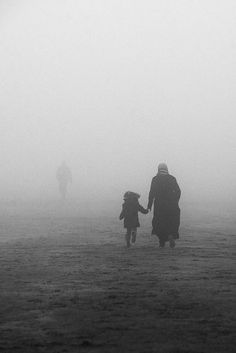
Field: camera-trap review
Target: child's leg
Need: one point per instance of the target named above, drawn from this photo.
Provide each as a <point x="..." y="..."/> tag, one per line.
<point x="134" y="233"/>
<point x="127" y="237"/>
<point x="161" y="242"/>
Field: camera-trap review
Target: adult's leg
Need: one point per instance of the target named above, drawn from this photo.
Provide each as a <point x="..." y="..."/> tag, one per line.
<point x="162" y="242"/>
<point x="63" y="189"/>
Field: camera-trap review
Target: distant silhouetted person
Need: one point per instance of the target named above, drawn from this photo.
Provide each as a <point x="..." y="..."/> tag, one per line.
<point x="64" y="178"/>
<point x="129" y="213"/>
<point x="165" y="193"/>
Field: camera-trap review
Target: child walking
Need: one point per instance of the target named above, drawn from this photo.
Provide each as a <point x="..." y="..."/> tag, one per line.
<point x="129" y="213"/>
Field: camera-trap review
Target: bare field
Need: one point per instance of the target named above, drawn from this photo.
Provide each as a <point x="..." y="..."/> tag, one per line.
<point x="68" y="284"/>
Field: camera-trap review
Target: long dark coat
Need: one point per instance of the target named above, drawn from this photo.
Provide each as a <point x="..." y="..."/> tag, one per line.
<point x="165" y="193"/>
<point x="129" y="213"/>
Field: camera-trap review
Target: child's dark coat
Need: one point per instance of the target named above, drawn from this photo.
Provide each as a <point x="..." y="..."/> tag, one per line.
<point x="129" y="213"/>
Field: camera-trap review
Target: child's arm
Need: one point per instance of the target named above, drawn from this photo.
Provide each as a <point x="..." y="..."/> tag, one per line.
<point x="142" y="209"/>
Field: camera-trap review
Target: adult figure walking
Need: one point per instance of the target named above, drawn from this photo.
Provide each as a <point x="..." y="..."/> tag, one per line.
<point x="165" y="193"/>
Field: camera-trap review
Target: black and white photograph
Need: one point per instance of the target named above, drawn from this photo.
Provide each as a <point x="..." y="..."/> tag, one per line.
<point x="118" y="176"/>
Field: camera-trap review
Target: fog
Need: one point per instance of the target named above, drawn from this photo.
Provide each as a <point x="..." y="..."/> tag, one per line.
<point x="114" y="88"/>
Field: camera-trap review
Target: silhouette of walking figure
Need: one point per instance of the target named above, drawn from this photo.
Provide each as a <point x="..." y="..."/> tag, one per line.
<point x="64" y="177"/>
<point x="129" y="213"/>
<point x="165" y="193"/>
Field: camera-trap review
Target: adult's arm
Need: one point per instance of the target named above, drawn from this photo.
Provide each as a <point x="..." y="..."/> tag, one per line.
<point x="176" y="190"/>
<point x="122" y="214"/>
<point x="151" y="194"/>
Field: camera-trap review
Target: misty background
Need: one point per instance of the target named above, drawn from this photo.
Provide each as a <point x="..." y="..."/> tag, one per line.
<point x="114" y="88"/>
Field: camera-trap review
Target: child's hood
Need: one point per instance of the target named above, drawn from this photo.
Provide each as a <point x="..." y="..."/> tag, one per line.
<point x="131" y="195"/>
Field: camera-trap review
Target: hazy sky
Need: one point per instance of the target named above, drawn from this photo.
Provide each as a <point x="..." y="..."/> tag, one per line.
<point x="114" y="87"/>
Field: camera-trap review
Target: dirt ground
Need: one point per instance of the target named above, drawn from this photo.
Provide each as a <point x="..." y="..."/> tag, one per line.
<point x="69" y="284"/>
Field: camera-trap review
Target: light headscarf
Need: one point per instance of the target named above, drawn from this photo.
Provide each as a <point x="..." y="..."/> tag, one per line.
<point x="162" y="168"/>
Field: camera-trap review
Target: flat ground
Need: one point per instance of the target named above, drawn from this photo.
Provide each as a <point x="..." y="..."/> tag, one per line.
<point x="68" y="284"/>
